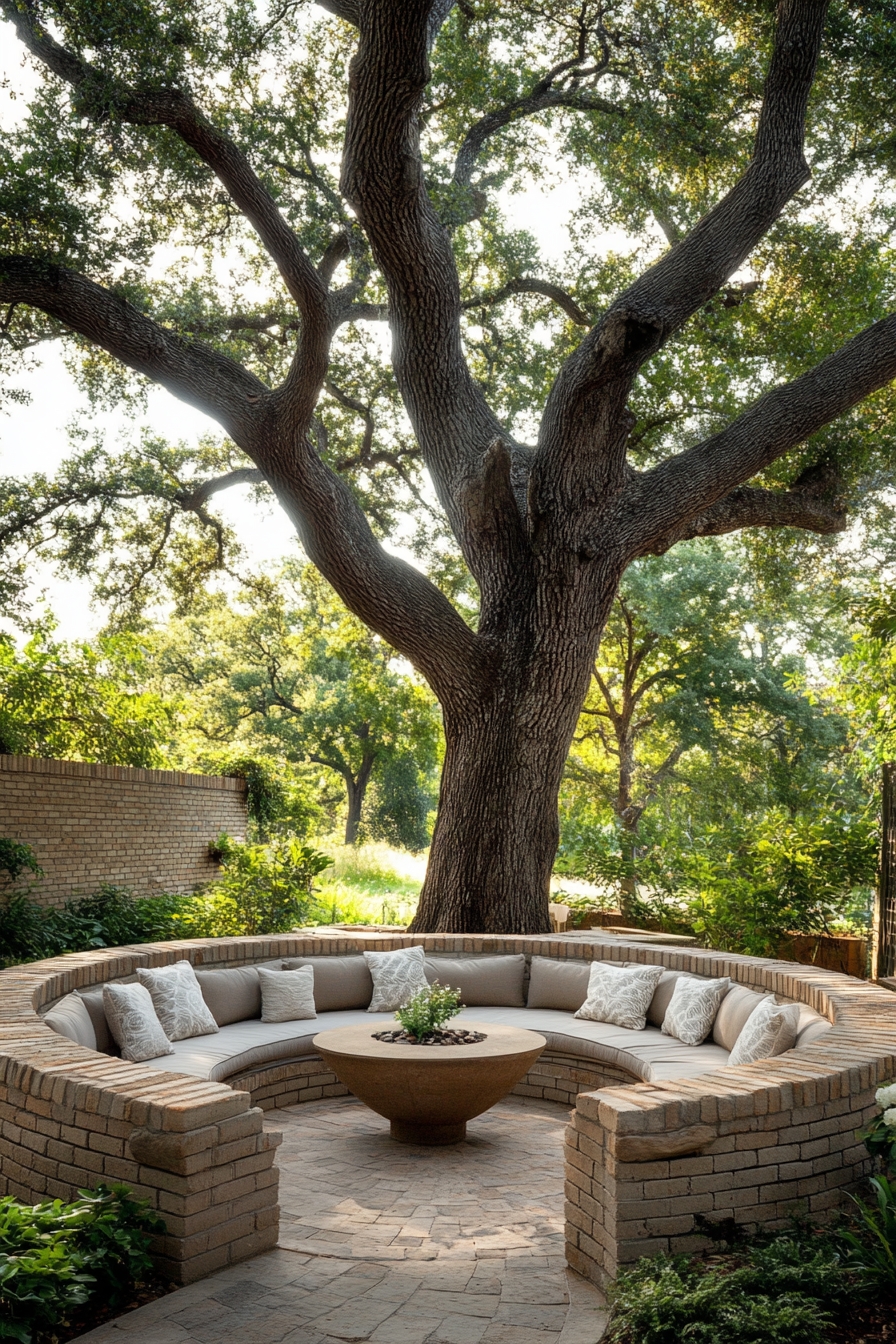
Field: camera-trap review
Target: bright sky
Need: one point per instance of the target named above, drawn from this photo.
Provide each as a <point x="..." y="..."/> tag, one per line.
<point x="33" y="437"/>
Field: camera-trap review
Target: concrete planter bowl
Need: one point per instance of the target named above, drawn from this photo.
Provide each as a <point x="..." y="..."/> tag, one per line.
<point x="428" y="1093"/>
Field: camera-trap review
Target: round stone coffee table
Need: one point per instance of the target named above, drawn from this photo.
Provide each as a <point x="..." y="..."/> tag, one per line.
<point x="429" y="1092"/>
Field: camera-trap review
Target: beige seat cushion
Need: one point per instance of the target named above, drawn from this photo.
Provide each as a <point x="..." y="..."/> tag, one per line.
<point x="662" y="997"/>
<point x="811" y="1027"/>
<point x="233" y="995"/>
<point x="93" y="1002"/>
<point x="646" y="1055"/>
<point x="558" y="984"/>
<point x="482" y="981"/>
<point x="734" y="1010"/>
<point x="246" y="1045"/>
<point x="70" y="1018"/>
<point x="339" y="982"/>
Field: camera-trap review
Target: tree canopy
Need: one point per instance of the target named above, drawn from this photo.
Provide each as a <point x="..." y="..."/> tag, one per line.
<point x="232" y="201"/>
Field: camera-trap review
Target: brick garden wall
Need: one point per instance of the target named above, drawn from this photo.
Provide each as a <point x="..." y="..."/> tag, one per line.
<point x="148" y="830"/>
<point x="753" y="1143"/>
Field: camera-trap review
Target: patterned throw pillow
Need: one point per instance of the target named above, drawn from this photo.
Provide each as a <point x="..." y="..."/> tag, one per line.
<point x="769" y="1030"/>
<point x="133" y="1022"/>
<point x="620" y="995"/>
<point x="178" y="1001"/>
<point x="397" y="977"/>
<point x="693" y="1007"/>
<point x="286" y="996"/>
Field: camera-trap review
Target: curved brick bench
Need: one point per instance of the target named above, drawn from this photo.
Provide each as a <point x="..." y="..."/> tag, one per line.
<point x="750" y="1143"/>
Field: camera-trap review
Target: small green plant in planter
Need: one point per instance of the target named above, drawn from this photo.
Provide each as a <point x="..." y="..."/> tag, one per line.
<point x="427" y="1011"/>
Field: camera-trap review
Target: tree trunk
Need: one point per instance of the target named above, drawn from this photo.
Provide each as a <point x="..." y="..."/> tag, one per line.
<point x="356" y="787"/>
<point x="497" y="826"/>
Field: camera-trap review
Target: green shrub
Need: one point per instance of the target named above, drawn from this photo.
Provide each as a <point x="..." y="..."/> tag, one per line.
<point x="265" y="888"/>
<point x="428" y="1010"/>
<point x="786" y="1291"/>
<point x="56" y="1257"/>
<point x="880" y="1136"/>
<point x="15" y="858"/>
<point x="740" y="885"/>
<point x="109" y="917"/>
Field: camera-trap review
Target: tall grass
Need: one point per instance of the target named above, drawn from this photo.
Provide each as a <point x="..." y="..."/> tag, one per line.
<point x="370" y="884"/>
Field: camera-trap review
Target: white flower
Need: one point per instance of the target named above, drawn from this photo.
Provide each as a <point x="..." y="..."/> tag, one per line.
<point x="890" y="1118"/>
<point x="886" y="1096"/>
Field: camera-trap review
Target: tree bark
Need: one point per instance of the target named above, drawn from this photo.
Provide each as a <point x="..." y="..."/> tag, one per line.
<point x="497" y="827"/>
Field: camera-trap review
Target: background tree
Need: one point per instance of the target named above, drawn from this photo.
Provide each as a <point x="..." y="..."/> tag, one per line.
<point x="80" y="701"/>
<point x="742" y="806"/>
<point x="570" y="423"/>
<point x="696" y="656"/>
<point x="290" y="673"/>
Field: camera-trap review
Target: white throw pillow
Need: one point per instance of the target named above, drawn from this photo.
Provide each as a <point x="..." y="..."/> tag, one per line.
<point x="133" y="1022"/>
<point x="287" y="996"/>
<point x="620" y="994"/>
<point x="693" y="1007"/>
<point x="397" y="977"/>
<point x="178" y="1001"/>
<point x="770" y="1029"/>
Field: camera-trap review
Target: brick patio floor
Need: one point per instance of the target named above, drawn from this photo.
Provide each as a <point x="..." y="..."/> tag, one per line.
<point x="397" y="1244"/>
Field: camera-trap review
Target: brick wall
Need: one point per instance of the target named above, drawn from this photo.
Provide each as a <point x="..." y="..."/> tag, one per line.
<point x="144" y="829"/>
<point x="754" y="1143"/>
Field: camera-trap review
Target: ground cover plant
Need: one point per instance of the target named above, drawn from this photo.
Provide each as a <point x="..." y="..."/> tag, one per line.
<point x="59" y="1262"/>
<point x="793" y="1288"/>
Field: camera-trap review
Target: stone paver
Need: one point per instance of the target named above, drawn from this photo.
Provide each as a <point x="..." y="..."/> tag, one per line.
<point x="397" y="1244"/>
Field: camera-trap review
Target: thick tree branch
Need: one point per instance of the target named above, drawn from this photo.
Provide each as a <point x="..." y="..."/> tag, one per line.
<point x="675" y="493"/>
<point x="97" y="96"/>
<point x="389" y="595"/>
<point x="383" y="179"/>
<point x="672" y="290"/>
<point x="750" y="507"/>
<point x="198" y="497"/>
<point x="396" y="600"/>
<point x="385" y="592"/>
<point x="191" y="371"/>
<point x="591" y="390"/>
<point x="343" y="9"/>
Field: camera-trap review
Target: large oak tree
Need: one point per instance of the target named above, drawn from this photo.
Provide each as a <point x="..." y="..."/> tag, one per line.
<point x="217" y="126"/>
